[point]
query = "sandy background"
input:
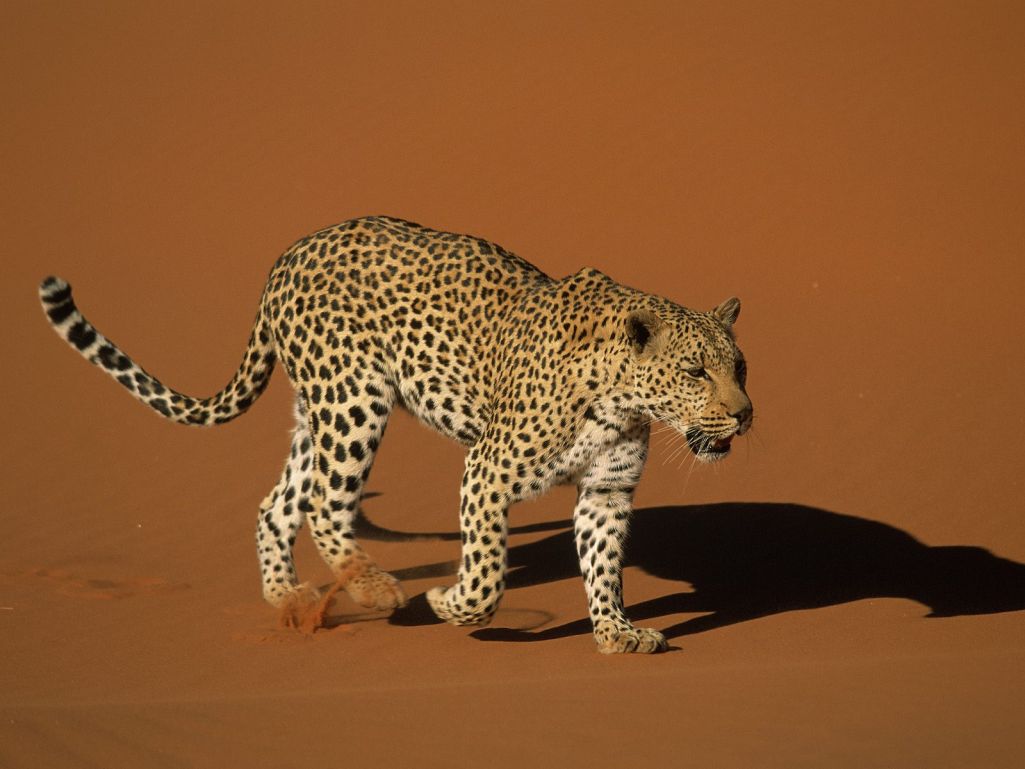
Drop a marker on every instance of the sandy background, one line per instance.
(855, 172)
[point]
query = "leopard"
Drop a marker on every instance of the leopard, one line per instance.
(542, 381)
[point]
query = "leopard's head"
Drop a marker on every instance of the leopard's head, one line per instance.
(689, 373)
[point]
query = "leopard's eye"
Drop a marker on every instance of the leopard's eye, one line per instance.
(741, 371)
(696, 373)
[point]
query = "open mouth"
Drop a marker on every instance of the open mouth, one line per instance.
(708, 447)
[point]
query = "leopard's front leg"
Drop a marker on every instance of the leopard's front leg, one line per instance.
(483, 507)
(600, 522)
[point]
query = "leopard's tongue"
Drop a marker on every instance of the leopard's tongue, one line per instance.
(721, 444)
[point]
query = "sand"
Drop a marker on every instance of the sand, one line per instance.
(847, 590)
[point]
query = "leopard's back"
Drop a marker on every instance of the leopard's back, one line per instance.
(424, 308)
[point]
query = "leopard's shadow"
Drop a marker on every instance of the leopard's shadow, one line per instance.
(741, 561)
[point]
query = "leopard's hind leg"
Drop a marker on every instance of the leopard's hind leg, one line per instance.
(281, 517)
(346, 430)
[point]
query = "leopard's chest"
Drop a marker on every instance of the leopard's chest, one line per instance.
(604, 425)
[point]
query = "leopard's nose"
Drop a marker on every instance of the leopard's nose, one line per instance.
(743, 417)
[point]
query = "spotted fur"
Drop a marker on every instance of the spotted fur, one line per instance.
(543, 381)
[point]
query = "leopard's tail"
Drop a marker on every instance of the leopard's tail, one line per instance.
(237, 396)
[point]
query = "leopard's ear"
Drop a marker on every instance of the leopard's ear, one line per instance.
(642, 329)
(728, 311)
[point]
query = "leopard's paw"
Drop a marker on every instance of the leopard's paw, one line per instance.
(442, 603)
(376, 589)
(614, 639)
(300, 608)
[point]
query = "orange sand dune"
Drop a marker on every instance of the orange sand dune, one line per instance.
(846, 591)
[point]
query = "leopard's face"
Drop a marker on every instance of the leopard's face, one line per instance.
(690, 374)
